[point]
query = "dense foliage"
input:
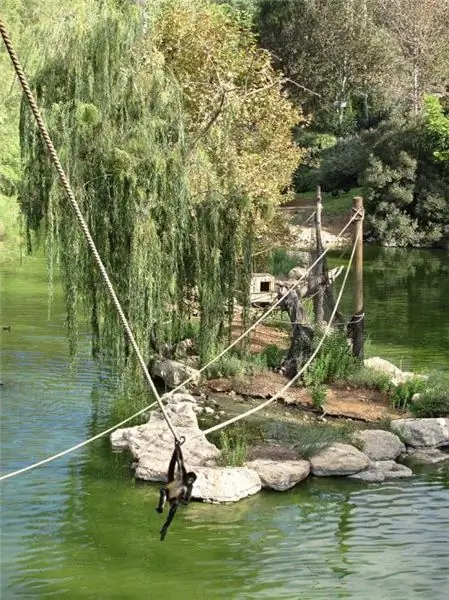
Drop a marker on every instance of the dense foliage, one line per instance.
(177, 139)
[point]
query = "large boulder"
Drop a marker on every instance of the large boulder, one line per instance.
(339, 459)
(280, 476)
(383, 470)
(225, 484)
(428, 456)
(378, 444)
(172, 372)
(151, 444)
(423, 432)
(297, 273)
(384, 366)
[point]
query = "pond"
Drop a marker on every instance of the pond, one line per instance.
(80, 527)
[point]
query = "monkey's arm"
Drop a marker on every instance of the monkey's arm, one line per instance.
(171, 467)
(170, 517)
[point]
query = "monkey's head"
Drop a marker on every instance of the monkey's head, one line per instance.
(190, 478)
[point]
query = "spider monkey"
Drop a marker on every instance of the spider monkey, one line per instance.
(178, 488)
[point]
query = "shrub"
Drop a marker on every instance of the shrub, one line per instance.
(342, 164)
(371, 379)
(434, 401)
(280, 262)
(233, 445)
(228, 365)
(334, 360)
(402, 394)
(318, 393)
(273, 356)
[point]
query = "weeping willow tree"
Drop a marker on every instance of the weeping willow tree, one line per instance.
(165, 205)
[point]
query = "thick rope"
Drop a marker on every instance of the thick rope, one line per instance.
(65, 182)
(300, 372)
(146, 408)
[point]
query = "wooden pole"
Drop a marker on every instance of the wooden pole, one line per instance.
(318, 300)
(357, 322)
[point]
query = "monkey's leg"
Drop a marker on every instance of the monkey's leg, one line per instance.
(162, 499)
(166, 525)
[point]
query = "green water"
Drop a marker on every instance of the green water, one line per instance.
(82, 528)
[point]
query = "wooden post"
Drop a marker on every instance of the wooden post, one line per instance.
(357, 322)
(318, 300)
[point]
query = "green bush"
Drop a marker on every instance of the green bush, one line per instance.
(229, 365)
(342, 164)
(434, 400)
(402, 394)
(371, 379)
(280, 262)
(273, 356)
(233, 445)
(333, 361)
(318, 393)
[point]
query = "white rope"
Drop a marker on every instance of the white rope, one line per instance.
(189, 379)
(300, 372)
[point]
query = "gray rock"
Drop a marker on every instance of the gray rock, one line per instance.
(383, 470)
(280, 476)
(384, 366)
(151, 444)
(172, 372)
(379, 444)
(297, 273)
(302, 258)
(339, 459)
(209, 410)
(420, 433)
(428, 456)
(225, 484)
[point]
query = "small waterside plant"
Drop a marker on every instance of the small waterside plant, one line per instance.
(434, 400)
(233, 445)
(402, 394)
(334, 361)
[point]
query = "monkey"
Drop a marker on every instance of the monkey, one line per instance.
(178, 489)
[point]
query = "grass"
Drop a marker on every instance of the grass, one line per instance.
(370, 379)
(333, 206)
(311, 439)
(235, 364)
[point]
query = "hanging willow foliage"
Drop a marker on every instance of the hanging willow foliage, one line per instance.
(117, 122)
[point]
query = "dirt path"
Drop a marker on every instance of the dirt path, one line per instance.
(341, 401)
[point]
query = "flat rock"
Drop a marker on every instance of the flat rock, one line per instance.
(280, 476)
(172, 372)
(339, 459)
(383, 470)
(379, 444)
(428, 456)
(225, 484)
(420, 433)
